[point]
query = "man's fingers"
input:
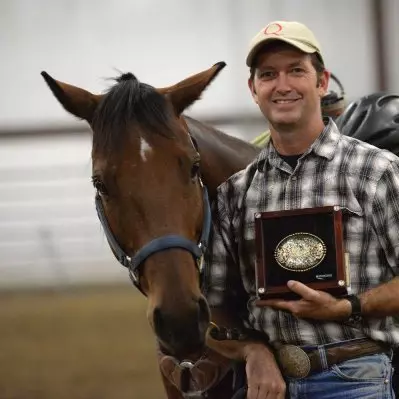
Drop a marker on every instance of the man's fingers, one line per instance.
(268, 391)
(301, 289)
(278, 304)
(253, 392)
(281, 395)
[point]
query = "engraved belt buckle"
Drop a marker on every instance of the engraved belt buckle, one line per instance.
(300, 252)
(294, 361)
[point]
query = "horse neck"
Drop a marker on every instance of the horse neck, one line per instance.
(222, 155)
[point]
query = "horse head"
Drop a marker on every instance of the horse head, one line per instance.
(149, 195)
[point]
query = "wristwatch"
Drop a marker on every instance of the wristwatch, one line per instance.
(356, 313)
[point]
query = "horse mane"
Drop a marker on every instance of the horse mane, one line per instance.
(130, 104)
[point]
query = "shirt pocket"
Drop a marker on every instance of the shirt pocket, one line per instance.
(352, 222)
(351, 210)
(349, 204)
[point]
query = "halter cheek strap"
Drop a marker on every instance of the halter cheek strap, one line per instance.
(158, 244)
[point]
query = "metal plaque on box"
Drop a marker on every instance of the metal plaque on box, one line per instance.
(305, 245)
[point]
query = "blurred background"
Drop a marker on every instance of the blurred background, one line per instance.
(71, 326)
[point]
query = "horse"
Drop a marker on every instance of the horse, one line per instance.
(155, 171)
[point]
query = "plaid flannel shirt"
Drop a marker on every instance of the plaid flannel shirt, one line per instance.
(336, 170)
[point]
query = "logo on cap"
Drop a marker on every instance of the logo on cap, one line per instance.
(273, 29)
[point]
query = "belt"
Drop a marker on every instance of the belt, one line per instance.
(297, 362)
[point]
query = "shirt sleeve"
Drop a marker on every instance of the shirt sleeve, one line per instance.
(221, 280)
(386, 214)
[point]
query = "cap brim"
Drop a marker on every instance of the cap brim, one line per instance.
(306, 48)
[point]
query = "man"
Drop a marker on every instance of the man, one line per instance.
(346, 342)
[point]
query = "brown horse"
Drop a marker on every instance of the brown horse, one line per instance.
(151, 200)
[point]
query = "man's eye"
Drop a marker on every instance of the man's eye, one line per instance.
(266, 74)
(297, 70)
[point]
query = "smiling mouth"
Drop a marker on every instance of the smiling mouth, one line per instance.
(286, 101)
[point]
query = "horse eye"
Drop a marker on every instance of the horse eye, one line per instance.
(99, 186)
(195, 170)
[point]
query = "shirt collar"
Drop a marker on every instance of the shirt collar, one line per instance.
(324, 146)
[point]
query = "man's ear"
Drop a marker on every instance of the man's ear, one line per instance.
(323, 82)
(251, 85)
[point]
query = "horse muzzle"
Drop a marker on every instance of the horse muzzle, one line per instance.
(183, 333)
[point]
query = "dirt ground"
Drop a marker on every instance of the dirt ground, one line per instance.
(88, 343)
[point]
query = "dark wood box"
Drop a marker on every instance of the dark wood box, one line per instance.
(305, 245)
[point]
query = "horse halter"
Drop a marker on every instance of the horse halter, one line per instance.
(158, 244)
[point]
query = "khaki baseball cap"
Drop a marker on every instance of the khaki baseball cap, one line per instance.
(294, 33)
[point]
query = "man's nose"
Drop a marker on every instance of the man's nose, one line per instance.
(282, 84)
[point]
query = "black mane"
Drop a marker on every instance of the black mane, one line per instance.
(128, 104)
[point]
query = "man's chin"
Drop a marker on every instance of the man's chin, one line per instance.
(283, 122)
(281, 117)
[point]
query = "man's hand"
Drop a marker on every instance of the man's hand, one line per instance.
(263, 374)
(318, 305)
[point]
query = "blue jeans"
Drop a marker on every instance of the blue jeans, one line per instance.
(367, 377)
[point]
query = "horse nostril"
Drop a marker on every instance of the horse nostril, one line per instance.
(159, 322)
(182, 331)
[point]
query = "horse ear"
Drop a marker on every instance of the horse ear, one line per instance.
(75, 100)
(184, 93)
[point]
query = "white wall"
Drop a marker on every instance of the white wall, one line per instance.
(83, 42)
(391, 35)
(49, 232)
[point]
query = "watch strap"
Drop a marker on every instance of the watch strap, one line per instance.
(356, 313)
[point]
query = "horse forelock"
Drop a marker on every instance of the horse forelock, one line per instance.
(127, 105)
(126, 76)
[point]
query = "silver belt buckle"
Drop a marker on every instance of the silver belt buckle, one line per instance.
(294, 361)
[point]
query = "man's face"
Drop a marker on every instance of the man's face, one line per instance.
(286, 87)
